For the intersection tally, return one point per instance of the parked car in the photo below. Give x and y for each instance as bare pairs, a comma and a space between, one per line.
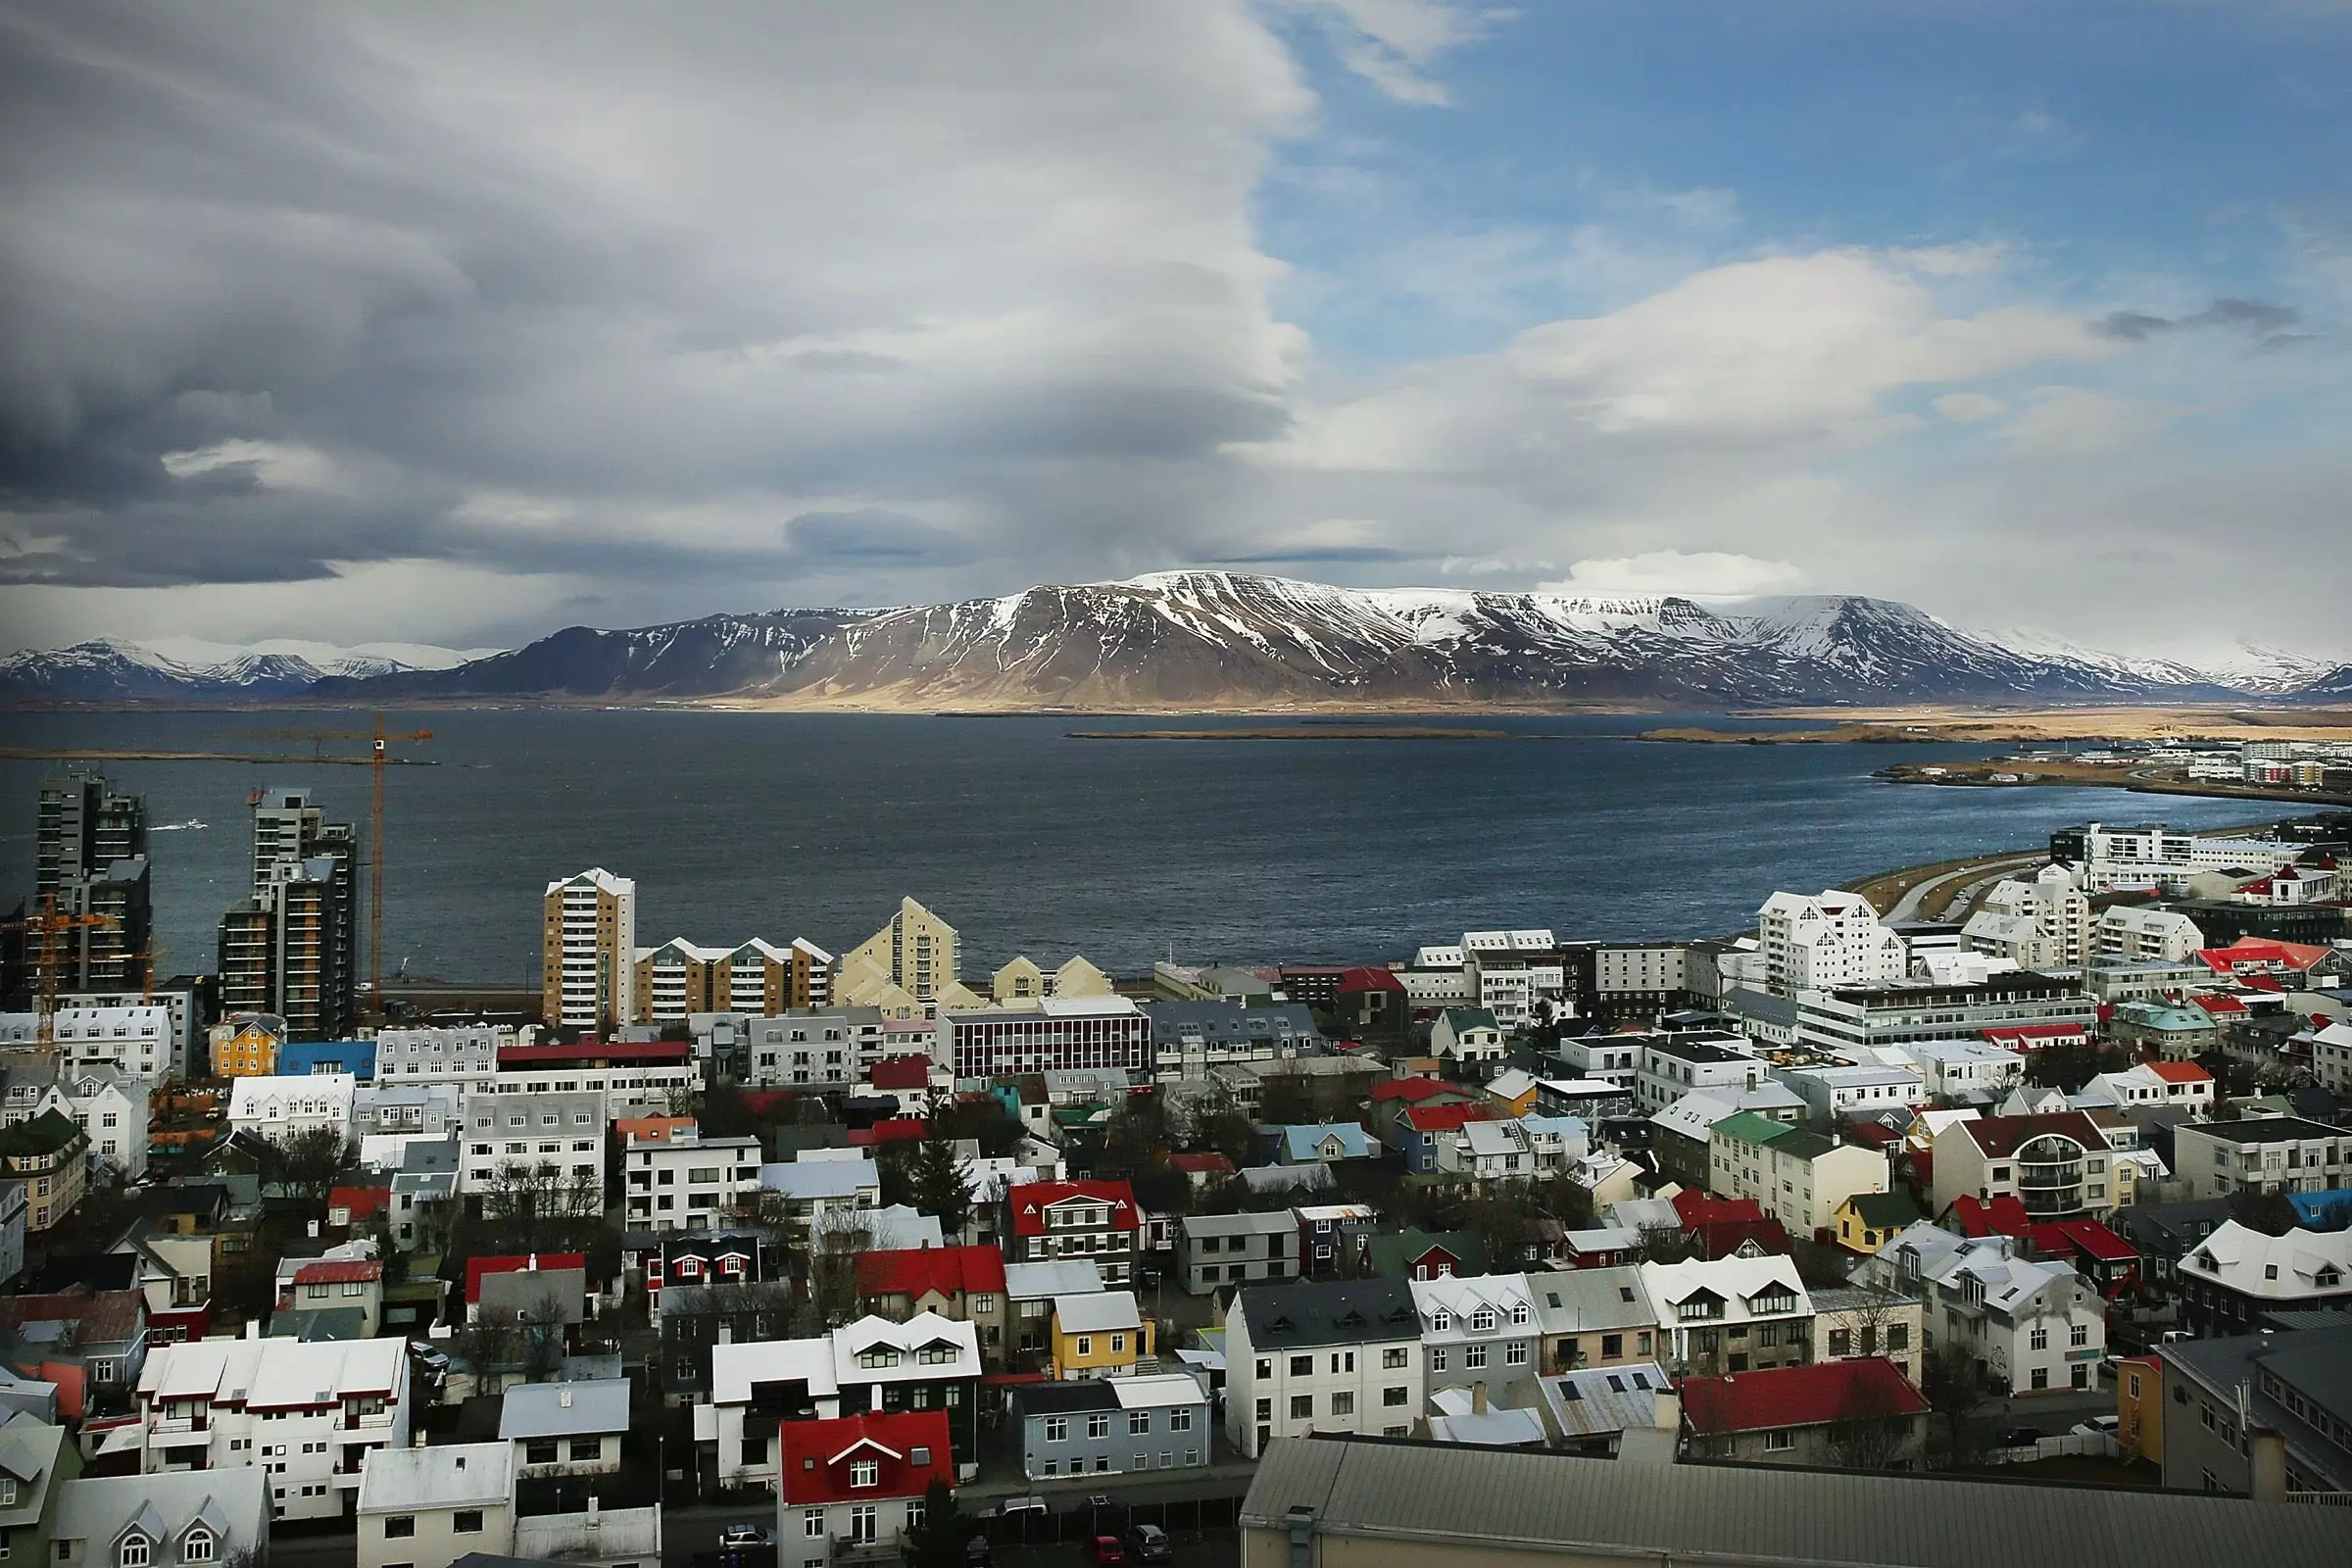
1150, 1543
432, 1358
2098, 1426
735, 1538
1105, 1551
1015, 1507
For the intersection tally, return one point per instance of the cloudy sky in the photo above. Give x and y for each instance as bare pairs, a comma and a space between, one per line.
458, 322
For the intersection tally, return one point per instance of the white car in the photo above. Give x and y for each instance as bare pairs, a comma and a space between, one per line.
2099, 1426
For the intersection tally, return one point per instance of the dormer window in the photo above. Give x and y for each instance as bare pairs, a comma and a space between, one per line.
1440, 1320
865, 1473
1482, 1321
1520, 1315
881, 1356
133, 1553
196, 1546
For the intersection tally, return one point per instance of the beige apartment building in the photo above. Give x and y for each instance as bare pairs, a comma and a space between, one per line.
914, 954
758, 979
588, 970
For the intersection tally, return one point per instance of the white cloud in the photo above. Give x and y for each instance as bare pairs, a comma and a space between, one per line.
1969, 407
1393, 43
1702, 575
2078, 421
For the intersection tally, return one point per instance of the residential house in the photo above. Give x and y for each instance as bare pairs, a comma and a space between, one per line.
1420, 1132
1030, 1291
1675, 1065
1853, 1322
1963, 1069
854, 1485
310, 1284
281, 1109
1322, 1356
2228, 1280
1864, 1221
1468, 1037
1731, 1314
2163, 1234
697, 1261
37, 1462
1414, 1254
926, 1363
1727, 1226
1830, 940
89, 1344
541, 1152
565, 1429
1329, 1235
1320, 1143
2179, 1085
2027, 1325
307, 1414
246, 1045
1477, 1332
1124, 1426
429, 1508
46, 1156
2139, 1408
961, 1284
1223, 1251
1682, 1135
1520, 1148
1190, 1038
1832, 1093
2263, 1153
1628, 1410
108, 1103
2223, 1398
2058, 1164
686, 1180
1101, 1334
1798, 1177
816, 1192
1859, 1414
1097, 1220
548, 1290
196, 1516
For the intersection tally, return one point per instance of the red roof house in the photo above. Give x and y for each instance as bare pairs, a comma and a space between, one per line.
2024, 1037
2004, 1215
2249, 955
877, 1460
478, 1269
356, 1205
1448, 1118
930, 1279
1794, 1414
1093, 1219
1417, 1091
903, 1072
2218, 1005
894, 1130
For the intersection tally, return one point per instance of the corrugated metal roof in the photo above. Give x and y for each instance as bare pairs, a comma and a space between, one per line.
564, 1409
1740, 1514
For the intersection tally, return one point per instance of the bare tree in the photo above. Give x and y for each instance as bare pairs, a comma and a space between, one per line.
1956, 1391
834, 1243
307, 1163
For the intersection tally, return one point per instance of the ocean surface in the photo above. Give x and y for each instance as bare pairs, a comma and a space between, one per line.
737, 826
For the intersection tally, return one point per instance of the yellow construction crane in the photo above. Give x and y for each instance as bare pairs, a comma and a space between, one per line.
51, 927
379, 757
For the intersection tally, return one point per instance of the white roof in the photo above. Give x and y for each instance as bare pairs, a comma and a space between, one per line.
809, 1179
925, 1328
735, 1367
447, 1476
1734, 1279
273, 1372
2243, 1259
599, 878
1511, 1083
1097, 1312
1069, 1276
564, 1409
247, 1097
1158, 1390
1460, 1296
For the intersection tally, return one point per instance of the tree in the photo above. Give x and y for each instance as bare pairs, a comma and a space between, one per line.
1137, 1138
983, 1120
1956, 1391
1286, 1100
938, 1539
940, 1180
307, 1163
835, 1242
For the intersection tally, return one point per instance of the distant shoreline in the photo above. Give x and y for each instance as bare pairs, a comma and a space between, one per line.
1302, 732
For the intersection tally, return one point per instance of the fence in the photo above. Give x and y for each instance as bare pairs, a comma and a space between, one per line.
2069, 1446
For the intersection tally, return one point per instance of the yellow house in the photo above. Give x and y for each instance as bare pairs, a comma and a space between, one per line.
246, 1046
1514, 1090
2139, 1408
1866, 1221
1098, 1334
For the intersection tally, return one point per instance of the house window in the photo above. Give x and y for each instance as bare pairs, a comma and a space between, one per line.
1302, 1366
1515, 1354
2079, 1334
543, 1451
1779, 1440
1180, 1420
1097, 1425
865, 1473
1391, 1396
1842, 1344
467, 1522
1302, 1407
196, 1546
1394, 1356
2040, 1339
1139, 1422
1342, 1403
587, 1447
812, 1522
1474, 1357
397, 1526
1057, 1429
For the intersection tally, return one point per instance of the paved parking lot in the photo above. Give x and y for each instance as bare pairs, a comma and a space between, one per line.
1199, 1548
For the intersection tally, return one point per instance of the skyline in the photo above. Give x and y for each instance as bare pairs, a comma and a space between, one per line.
451, 326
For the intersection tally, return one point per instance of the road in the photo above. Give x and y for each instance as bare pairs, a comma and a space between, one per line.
1908, 905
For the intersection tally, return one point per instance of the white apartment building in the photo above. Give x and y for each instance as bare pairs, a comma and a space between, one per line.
179, 997
307, 1413
2331, 1058
1852, 1022
1832, 1092
2146, 1084
823, 1048
465, 1056
1673, 1066
282, 1107
928, 1362
111, 1105
1798, 1177
2265, 1154
1961, 1069
1324, 1356
1513, 1148
2148, 935
550, 1146
142, 1041
1607, 1058
686, 1180
814, 1188
1047, 1034
2038, 924
588, 951
1509, 971
2058, 1165
2111, 858
427, 1507
2028, 1327
1826, 941
1731, 1314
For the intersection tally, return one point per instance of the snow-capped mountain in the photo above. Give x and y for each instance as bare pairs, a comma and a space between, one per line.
1216, 640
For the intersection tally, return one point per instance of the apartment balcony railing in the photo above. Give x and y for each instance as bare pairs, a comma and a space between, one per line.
2069, 1175
176, 1425
372, 1421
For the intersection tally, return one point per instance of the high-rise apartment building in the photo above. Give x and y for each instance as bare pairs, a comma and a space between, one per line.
588, 973
90, 858
292, 948
915, 953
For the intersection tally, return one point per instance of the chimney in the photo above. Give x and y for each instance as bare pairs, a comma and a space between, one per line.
592, 1519
1478, 1398
531, 1264
726, 1334
2269, 1465
564, 1399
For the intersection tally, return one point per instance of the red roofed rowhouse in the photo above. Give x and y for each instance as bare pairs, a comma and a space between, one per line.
1372, 1003
2096, 1252
1092, 1219
964, 1282
902, 1073
1856, 1415
565, 1285
2028, 1038
849, 1483
356, 1205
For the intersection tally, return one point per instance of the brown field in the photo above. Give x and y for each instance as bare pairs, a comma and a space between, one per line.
2219, 722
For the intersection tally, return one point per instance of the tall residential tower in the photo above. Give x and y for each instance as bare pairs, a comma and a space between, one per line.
589, 954
292, 948
91, 857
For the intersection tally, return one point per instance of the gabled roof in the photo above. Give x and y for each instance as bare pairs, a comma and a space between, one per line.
2004, 1215
903, 1072
1333, 1312
1885, 1211
817, 1457
339, 1271
948, 1271
2179, 1072
1416, 1090
1096, 1313
1819, 1394
1448, 1118
564, 1409
478, 1269
1030, 1201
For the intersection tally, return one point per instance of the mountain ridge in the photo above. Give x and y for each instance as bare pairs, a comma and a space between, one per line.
1210, 640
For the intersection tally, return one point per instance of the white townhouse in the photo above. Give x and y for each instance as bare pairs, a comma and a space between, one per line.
1610, 1058
553, 1144
108, 1104
928, 1362
1507, 972
1470, 1035
2162, 936
1341, 1355
1823, 941
465, 1058
142, 1041
2149, 1083
565, 1429
1832, 1092
1961, 1069
1673, 1066
1730, 1315
1513, 1148
685, 1179
2262, 1153
1476, 1331
2027, 1326
821, 1048
282, 1108
304, 1412
428, 1508
1798, 1177
814, 1189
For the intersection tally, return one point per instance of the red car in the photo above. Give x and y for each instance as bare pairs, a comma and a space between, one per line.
1107, 1551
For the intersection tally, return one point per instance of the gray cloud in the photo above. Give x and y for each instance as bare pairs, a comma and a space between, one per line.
2256, 318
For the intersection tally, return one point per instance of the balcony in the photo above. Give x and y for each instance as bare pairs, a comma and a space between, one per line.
2066, 1175
372, 1421
177, 1426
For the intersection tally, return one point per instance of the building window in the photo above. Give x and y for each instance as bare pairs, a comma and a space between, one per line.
1474, 1357
2040, 1339
1779, 1440
2079, 1334
467, 1522
1342, 1403
1392, 1397
1099, 1425
1139, 1422
196, 1546
543, 1451
1180, 1420
587, 1447
1515, 1354
397, 1526
812, 1522
1302, 1407
1302, 1366
1394, 1356
865, 1473
1057, 1429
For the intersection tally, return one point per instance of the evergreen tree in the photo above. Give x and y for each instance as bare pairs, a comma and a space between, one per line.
940, 1182
939, 1540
